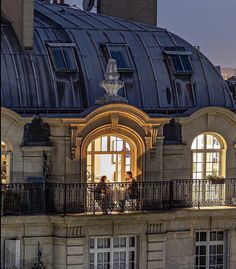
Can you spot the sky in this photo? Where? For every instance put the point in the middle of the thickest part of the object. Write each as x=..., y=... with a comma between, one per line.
x=210, y=24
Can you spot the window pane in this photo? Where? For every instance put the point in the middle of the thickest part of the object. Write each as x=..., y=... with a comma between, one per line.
x=131, y=241
x=91, y=243
x=91, y=257
x=98, y=144
x=177, y=64
x=186, y=63
x=213, y=236
x=70, y=59
x=120, y=54
x=116, y=242
x=58, y=59
x=202, y=236
x=100, y=243
x=106, y=242
x=220, y=236
x=122, y=242
x=104, y=143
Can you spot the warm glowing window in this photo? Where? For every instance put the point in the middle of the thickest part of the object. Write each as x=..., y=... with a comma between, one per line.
x=5, y=163
x=207, y=156
x=110, y=156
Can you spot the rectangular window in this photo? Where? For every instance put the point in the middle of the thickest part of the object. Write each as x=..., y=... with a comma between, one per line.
x=112, y=252
x=210, y=249
x=179, y=59
x=63, y=57
x=121, y=54
x=12, y=253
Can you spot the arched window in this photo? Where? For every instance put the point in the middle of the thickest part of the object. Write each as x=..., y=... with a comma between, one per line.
x=5, y=163
x=207, y=156
x=108, y=155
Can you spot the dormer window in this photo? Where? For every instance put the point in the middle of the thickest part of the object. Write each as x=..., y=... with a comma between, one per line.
x=120, y=53
x=63, y=57
x=179, y=59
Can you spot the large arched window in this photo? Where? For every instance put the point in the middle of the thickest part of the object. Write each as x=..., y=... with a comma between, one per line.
x=108, y=155
x=207, y=156
x=5, y=163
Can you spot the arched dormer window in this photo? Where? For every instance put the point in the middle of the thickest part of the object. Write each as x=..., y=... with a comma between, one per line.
x=207, y=156
x=5, y=163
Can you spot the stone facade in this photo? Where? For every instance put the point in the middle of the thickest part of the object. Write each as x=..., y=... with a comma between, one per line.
x=164, y=240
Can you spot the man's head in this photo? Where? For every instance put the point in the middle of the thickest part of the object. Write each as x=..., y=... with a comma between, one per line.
x=103, y=179
x=128, y=175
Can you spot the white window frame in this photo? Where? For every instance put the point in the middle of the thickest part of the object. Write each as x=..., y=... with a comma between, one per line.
x=113, y=249
x=207, y=244
x=12, y=253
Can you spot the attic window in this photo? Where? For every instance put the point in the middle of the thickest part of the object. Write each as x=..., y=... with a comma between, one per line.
x=63, y=57
x=179, y=58
x=121, y=54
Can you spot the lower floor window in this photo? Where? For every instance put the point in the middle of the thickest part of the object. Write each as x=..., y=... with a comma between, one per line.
x=210, y=250
x=113, y=252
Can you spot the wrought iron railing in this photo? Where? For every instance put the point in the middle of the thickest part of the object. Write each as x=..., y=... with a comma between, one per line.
x=59, y=198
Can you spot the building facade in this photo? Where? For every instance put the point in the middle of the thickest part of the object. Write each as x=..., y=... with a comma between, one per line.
x=63, y=126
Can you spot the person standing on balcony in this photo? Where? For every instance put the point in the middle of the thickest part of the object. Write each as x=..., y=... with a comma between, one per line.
x=132, y=189
x=103, y=195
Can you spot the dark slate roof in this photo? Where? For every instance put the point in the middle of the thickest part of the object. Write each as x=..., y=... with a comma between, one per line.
x=30, y=85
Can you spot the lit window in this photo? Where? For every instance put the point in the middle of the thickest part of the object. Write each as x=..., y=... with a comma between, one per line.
x=207, y=156
x=179, y=58
x=121, y=54
x=110, y=156
x=210, y=250
x=5, y=163
x=63, y=57
x=113, y=252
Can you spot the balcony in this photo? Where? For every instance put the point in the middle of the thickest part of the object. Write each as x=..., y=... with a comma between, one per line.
x=83, y=198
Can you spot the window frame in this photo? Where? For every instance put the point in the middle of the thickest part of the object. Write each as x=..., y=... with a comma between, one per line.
x=179, y=52
x=208, y=243
x=51, y=46
x=92, y=152
x=108, y=55
x=204, y=151
x=7, y=154
x=111, y=249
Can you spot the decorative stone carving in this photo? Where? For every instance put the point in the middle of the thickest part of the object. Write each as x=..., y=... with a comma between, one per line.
x=154, y=133
x=156, y=228
x=73, y=130
x=111, y=84
x=37, y=133
x=211, y=121
x=114, y=122
x=172, y=132
x=75, y=231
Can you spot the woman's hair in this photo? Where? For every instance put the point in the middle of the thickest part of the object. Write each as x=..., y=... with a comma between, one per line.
x=103, y=178
x=129, y=173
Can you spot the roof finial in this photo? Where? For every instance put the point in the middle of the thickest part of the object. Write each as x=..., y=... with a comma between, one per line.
x=111, y=84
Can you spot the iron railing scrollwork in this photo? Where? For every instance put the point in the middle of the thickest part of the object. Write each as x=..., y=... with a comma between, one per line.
x=70, y=198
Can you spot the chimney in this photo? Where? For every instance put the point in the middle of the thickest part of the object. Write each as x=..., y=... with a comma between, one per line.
x=144, y=11
x=21, y=15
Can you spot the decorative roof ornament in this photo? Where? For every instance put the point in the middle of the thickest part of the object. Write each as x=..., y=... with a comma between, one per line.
x=111, y=84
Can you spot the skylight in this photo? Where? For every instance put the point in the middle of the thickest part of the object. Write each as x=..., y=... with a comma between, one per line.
x=179, y=58
x=121, y=54
x=63, y=57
